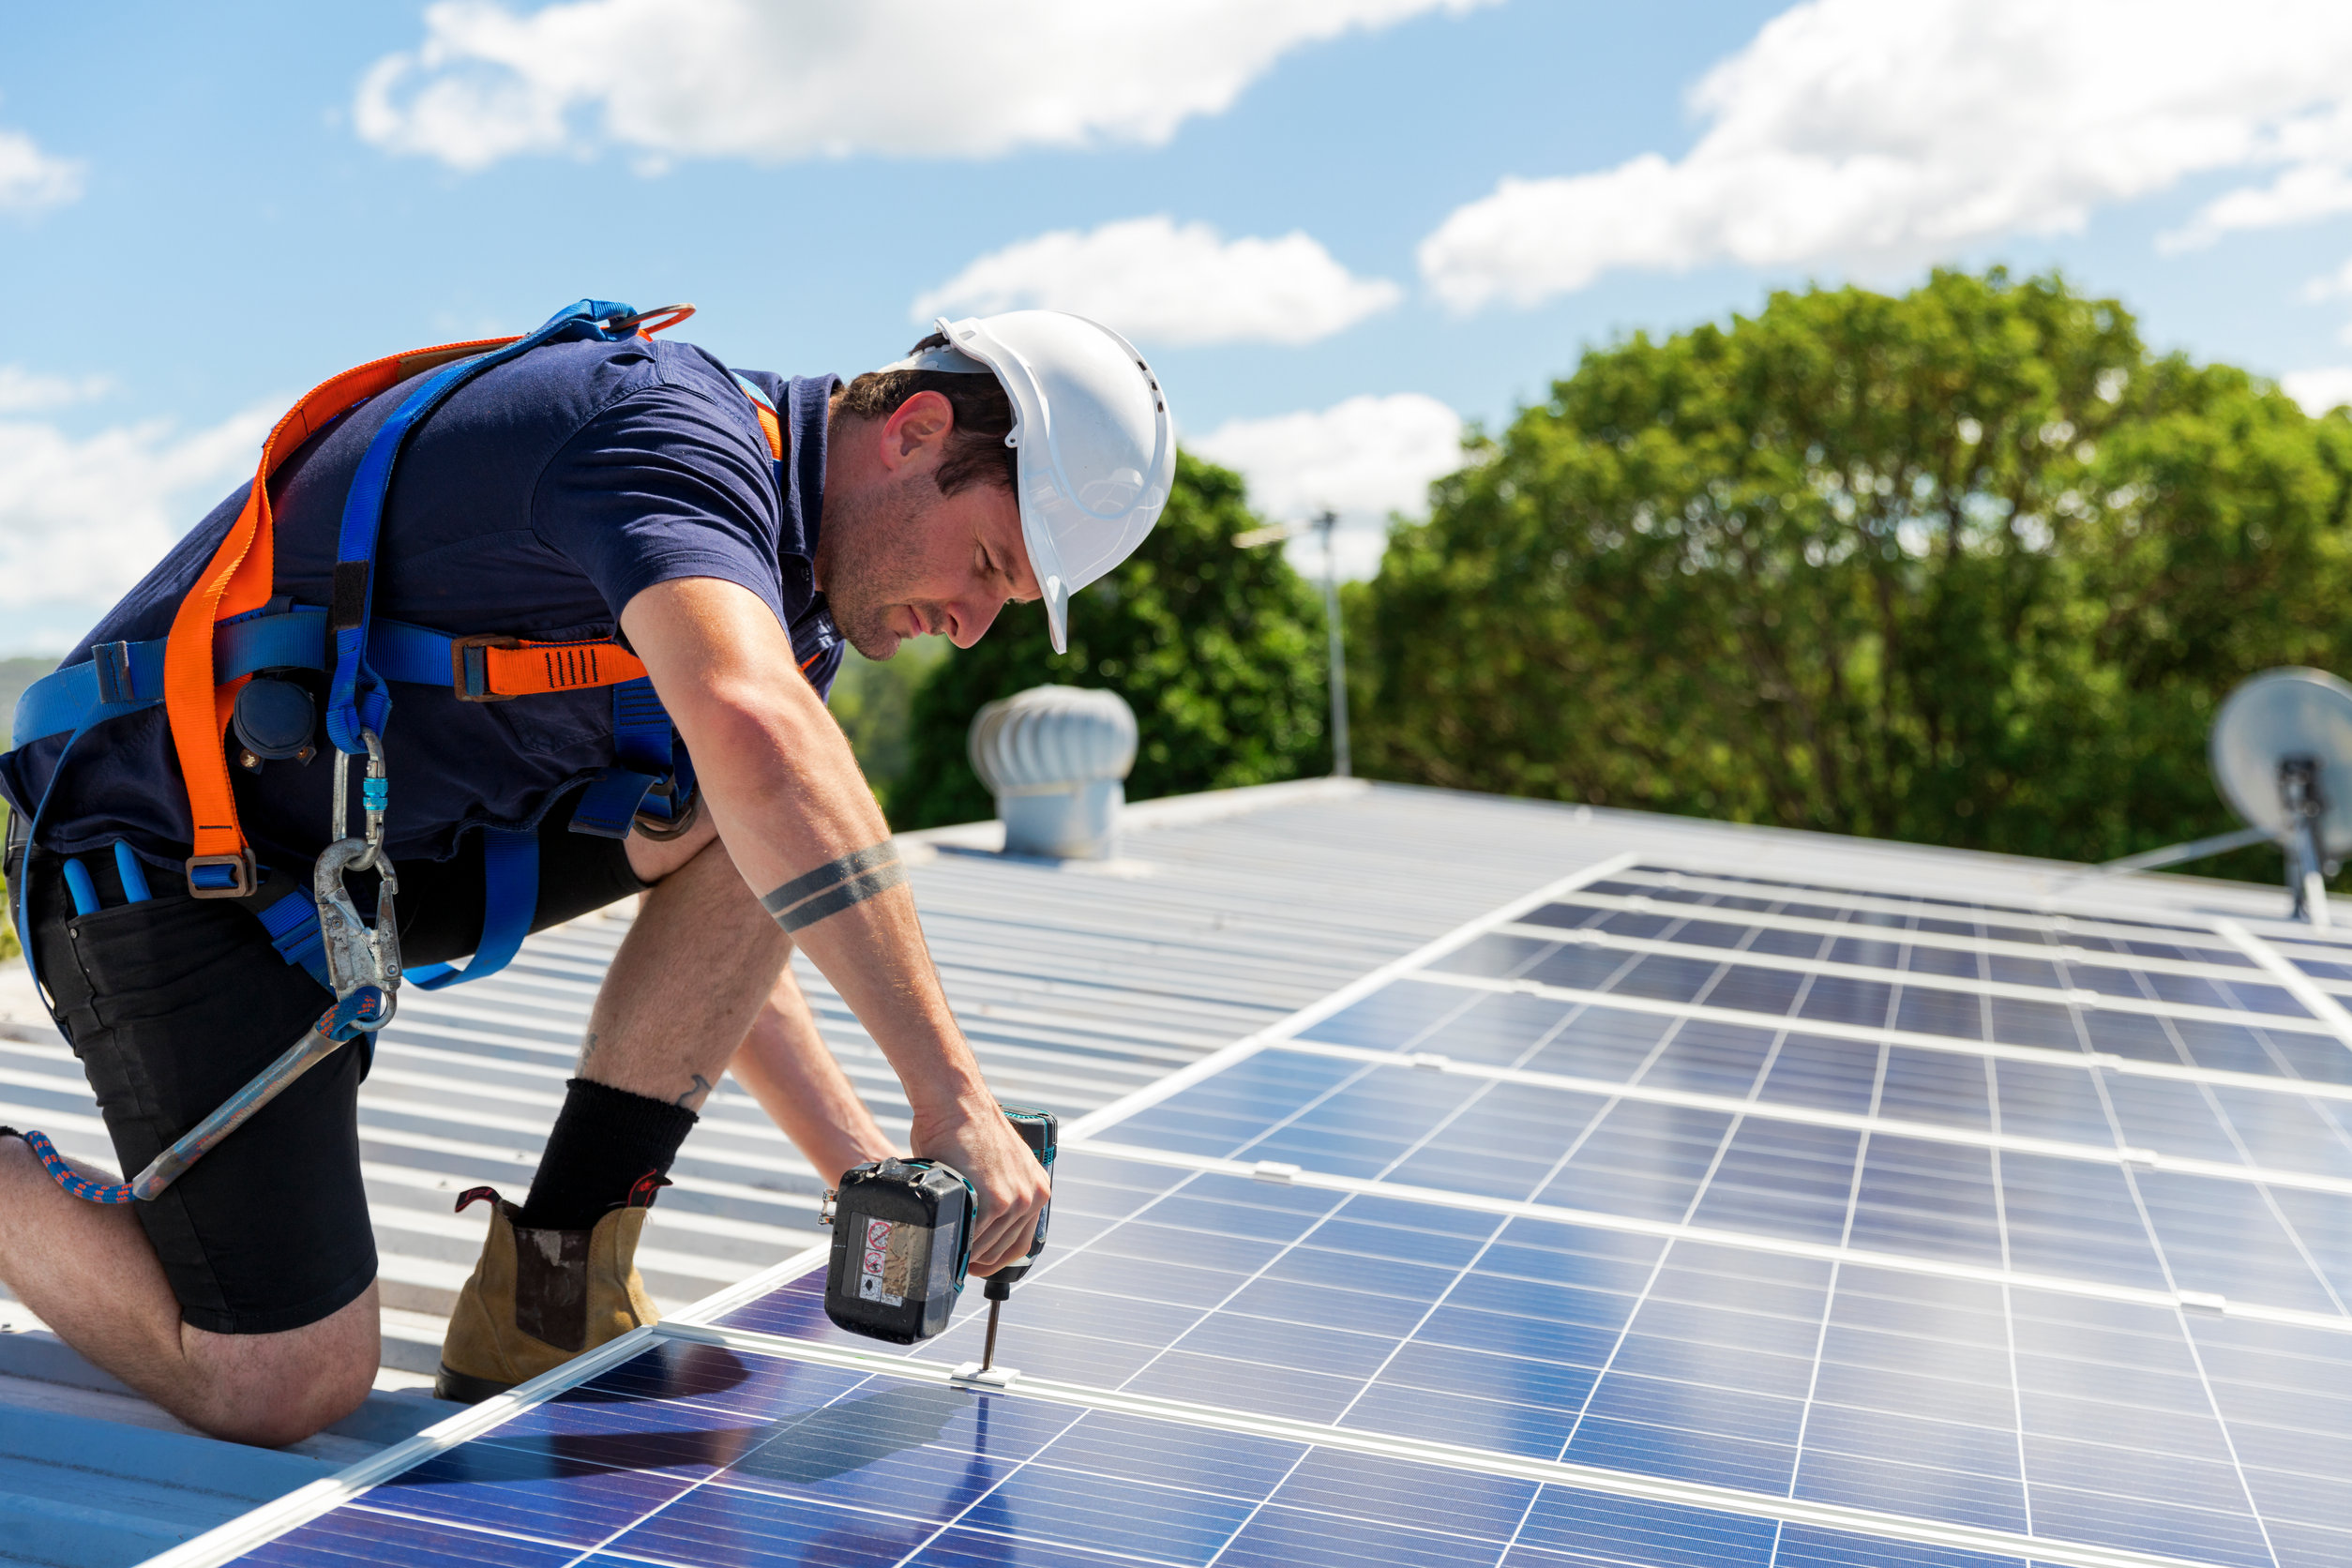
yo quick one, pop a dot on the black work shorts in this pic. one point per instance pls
(173, 1004)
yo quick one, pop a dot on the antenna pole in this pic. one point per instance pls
(2306, 864)
(1326, 526)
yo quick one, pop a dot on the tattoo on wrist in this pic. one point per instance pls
(693, 1096)
(835, 885)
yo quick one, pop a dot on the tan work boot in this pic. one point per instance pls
(538, 1298)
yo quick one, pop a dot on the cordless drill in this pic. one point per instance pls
(902, 1241)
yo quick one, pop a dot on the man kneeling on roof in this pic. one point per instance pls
(568, 607)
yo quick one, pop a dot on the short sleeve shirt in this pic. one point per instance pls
(537, 502)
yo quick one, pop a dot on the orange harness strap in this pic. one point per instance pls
(237, 580)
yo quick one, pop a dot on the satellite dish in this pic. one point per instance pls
(2282, 755)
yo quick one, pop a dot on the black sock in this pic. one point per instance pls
(605, 1140)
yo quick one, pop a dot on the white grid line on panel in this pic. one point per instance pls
(2083, 918)
(2079, 996)
(1890, 936)
(2305, 989)
(1868, 1035)
(1932, 1131)
(1595, 1219)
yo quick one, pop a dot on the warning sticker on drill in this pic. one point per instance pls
(897, 1257)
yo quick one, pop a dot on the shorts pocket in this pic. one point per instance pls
(157, 946)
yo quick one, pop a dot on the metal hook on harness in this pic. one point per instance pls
(359, 957)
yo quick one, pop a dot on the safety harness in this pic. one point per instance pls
(231, 629)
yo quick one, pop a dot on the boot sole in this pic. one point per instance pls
(463, 1388)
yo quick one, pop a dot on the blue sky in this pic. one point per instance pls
(203, 210)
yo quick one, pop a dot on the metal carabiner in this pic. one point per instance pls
(357, 955)
(375, 791)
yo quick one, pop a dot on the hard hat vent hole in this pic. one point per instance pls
(1056, 758)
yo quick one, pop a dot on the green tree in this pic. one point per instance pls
(1217, 649)
(1968, 566)
(873, 701)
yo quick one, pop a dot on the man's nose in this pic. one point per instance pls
(968, 620)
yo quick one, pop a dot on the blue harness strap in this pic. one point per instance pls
(357, 698)
(292, 923)
(641, 739)
(127, 677)
(510, 896)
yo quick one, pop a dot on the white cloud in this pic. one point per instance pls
(2319, 390)
(792, 78)
(1150, 279)
(22, 391)
(81, 518)
(1875, 135)
(2334, 283)
(1361, 459)
(31, 179)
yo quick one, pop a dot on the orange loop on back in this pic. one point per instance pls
(533, 667)
(236, 580)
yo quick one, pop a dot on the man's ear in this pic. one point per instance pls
(915, 434)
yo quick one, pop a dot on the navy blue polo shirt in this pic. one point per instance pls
(537, 502)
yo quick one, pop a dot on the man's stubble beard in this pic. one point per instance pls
(870, 559)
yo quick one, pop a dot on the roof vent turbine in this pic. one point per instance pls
(1056, 758)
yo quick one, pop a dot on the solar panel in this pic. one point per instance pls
(1672, 1217)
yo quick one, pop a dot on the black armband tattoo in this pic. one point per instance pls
(835, 885)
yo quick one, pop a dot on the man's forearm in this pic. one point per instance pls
(790, 805)
(785, 1064)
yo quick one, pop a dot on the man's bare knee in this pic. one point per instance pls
(273, 1389)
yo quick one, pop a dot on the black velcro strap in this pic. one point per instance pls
(347, 606)
(854, 892)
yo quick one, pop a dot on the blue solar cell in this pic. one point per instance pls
(1580, 1524)
(1824, 1073)
(2057, 1103)
(1961, 1015)
(1936, 1086)
(1805, 1547)
(1710, 1058)
(351, 1535)
(1788, 944)
(1395, 1018)
(2010, 971)
(2017, 1023)
(1605, 1043)
(1936, 1485)
(1501, 956)
(1746, 988)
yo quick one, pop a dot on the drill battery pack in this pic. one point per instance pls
(903, 1239)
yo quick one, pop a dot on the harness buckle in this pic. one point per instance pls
(220, 876)
(469, 668)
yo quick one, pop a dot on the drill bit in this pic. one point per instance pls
(997, 1293)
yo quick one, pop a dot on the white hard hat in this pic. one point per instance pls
(1098, 450)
